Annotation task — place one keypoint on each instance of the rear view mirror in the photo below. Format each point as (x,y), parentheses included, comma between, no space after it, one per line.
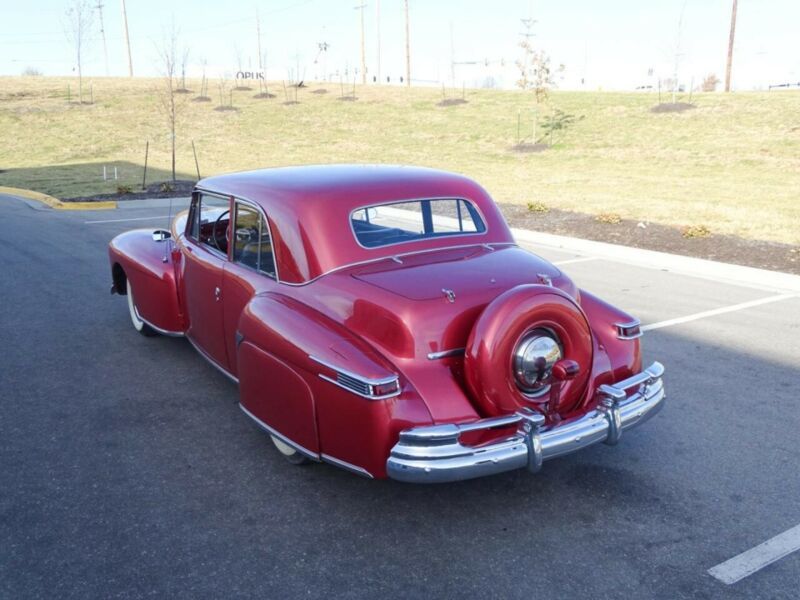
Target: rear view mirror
(161,235)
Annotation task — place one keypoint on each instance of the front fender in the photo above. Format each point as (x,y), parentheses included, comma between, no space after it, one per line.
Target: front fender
(150,267)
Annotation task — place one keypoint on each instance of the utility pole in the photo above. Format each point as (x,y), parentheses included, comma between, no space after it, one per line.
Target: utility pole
(99,8)
(127,39)
(730,48)
(361,8)
(408,49)
(258,35)
(378,34)
(452,57)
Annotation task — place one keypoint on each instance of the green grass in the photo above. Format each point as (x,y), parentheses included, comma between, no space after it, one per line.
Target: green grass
(732,164)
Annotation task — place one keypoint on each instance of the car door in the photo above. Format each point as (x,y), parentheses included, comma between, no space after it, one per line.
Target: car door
(250,271)
(205,254)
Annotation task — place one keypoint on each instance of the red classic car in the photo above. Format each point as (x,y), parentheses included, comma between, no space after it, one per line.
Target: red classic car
(383,319)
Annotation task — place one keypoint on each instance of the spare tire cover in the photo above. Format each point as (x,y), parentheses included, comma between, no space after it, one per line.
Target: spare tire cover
(488,363)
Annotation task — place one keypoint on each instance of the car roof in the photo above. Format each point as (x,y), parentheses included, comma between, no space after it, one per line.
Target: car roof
(309,210)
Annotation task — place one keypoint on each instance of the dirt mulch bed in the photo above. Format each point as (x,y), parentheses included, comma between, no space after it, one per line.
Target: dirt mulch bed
(319,91)
(264,96)
(526,147)
(160,189)
(347,98)
(451,102)
(652,236)
(201,99)
(226,109)
(669,107)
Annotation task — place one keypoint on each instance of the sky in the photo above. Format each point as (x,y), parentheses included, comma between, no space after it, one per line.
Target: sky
(616,44)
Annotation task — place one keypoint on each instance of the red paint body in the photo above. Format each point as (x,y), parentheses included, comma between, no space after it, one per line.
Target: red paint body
(358,309)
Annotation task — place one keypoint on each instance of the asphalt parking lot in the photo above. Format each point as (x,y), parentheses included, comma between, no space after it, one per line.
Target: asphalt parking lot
(127,469)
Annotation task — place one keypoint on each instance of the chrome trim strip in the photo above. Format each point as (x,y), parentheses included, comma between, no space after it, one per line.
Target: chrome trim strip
(366,380)
(408,200)
(167,332)
(435,454)
(352,391)
(346,465)
(213,363)
(446,353)
(272,431)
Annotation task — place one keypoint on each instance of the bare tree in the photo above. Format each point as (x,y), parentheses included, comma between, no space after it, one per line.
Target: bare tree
(534,68)
(79,16)
(171,103)
(184,63)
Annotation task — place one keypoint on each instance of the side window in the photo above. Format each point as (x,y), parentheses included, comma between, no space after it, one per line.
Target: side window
(210,221)
(252,246)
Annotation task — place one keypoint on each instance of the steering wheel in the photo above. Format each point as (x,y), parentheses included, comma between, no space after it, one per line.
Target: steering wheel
(214,237)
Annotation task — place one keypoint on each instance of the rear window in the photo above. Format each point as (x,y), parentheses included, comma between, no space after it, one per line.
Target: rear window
(411,220)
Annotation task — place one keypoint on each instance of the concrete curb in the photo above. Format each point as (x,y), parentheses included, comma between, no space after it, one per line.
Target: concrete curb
(55,202)
(684,265)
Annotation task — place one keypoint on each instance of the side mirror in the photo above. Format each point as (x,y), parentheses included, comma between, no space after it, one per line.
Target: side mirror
(161,235)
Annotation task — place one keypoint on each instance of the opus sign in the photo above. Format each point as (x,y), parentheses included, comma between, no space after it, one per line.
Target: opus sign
(250,75)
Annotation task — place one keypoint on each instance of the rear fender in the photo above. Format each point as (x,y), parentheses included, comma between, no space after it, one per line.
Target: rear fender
(615,359)
(282,386)
(150,267)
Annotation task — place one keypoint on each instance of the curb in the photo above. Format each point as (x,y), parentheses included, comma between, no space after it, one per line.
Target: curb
(55,202)
(684,265)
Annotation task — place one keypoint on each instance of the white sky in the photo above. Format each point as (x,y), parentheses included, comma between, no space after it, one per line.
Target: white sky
(610,45)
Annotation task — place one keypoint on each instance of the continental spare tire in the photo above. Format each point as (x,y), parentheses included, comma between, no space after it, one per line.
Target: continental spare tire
(516,341)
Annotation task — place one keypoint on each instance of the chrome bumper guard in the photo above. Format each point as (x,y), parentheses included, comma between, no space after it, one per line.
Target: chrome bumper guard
(434,454)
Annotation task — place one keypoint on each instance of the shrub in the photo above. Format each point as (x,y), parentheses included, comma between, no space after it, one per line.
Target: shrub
(538,207)
(696,231)
(124,189)
(608,218)
(166,187)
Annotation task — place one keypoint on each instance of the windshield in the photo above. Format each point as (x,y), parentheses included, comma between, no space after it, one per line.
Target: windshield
(411,220)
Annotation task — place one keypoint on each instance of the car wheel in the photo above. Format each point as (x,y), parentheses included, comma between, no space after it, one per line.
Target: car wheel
(137,321)
(289,453)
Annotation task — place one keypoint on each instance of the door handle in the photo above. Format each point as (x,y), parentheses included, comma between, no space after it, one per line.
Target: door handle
(217,293)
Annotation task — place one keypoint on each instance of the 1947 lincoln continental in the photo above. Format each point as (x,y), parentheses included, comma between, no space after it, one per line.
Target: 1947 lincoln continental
(383,319)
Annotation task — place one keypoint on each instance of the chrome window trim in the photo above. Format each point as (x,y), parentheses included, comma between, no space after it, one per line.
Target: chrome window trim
(370,260)
(257,206)
(392,202)
(346,465)
(272,431)
(197,242)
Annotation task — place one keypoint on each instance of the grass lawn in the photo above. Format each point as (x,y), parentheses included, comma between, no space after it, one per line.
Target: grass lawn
(731,164)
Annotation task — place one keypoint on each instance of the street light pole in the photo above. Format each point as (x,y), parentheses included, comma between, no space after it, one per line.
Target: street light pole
(361,7)
(730,48)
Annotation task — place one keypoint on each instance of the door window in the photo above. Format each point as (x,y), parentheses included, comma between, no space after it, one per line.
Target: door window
(252,245)
(210,221)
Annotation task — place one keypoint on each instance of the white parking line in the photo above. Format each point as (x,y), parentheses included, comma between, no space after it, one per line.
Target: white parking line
(571,261)
(123,220)
(717,311)
(757,558)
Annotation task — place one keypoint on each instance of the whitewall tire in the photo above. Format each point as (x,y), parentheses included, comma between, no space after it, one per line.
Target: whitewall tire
(289,453)
(138,324)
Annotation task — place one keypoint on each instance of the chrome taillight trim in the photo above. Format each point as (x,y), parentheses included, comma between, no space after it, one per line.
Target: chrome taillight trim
(357,384)
(624,330)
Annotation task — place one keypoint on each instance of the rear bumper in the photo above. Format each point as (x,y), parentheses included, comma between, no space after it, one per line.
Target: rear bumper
(434,454)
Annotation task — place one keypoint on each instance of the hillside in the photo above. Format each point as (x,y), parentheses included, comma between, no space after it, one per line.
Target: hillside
(731,164)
